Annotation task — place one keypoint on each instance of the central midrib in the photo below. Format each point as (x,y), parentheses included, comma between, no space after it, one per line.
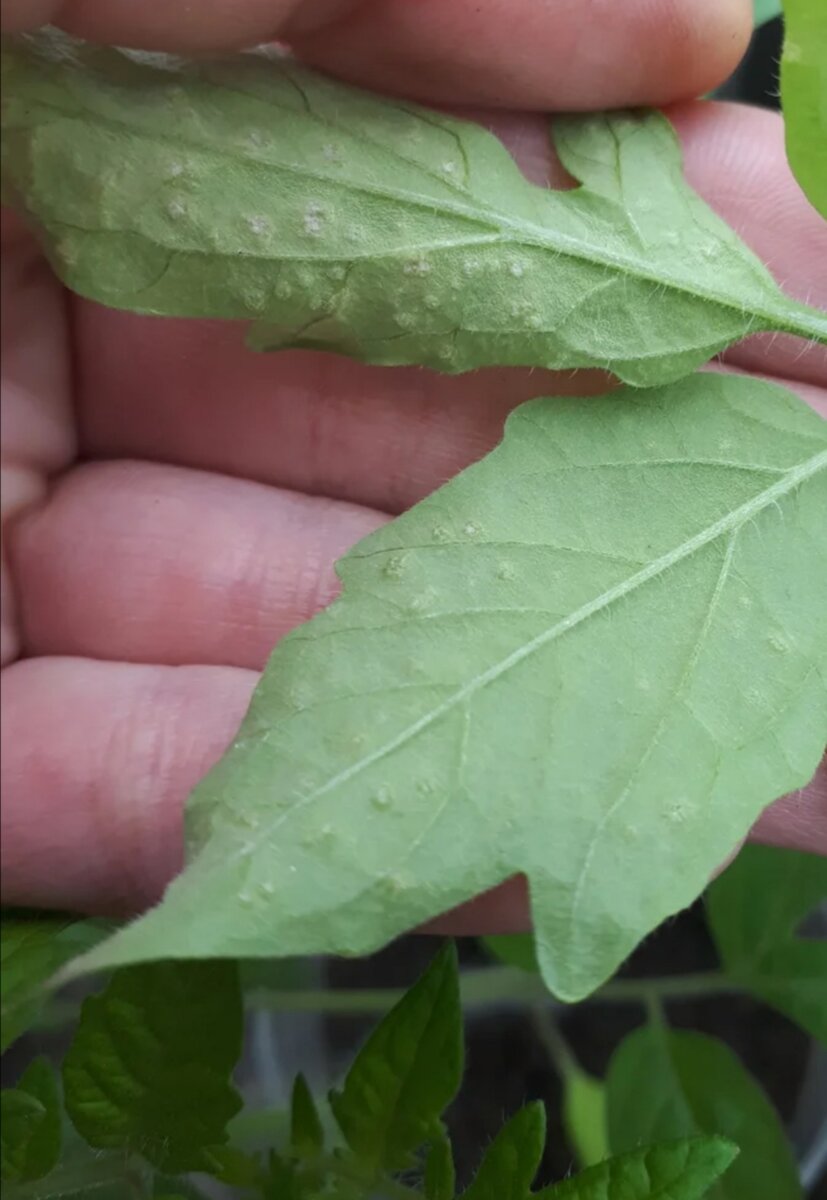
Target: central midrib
(506,231)
(726,524)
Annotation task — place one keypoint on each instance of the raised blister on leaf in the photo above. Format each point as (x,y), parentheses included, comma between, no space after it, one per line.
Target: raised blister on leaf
(622,687)
(254,188)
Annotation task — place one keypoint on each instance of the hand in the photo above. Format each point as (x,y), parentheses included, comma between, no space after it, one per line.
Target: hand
(174,503)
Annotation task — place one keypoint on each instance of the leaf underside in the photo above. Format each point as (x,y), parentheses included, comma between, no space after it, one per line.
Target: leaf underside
(253,188)
(523,674)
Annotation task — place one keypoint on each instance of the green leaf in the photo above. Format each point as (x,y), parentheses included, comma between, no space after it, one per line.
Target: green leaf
(765,10)
(283,1182)
(513,949)
(232,1166)
(804,96)
(253,188)
(22,1116)
(30,1134)
(87,1177)
(754,910)
(32,947)
(513,1158)
(584,1117)
(148,1068)
(664,1085)
(440,1177)
(407,1072)
(306,1132)
(610,630)
(673,1171)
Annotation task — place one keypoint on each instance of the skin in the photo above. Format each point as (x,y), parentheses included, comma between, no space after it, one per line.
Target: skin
(173,504)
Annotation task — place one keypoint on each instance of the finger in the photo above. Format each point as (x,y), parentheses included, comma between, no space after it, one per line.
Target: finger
(98,758)
(385,438)
(38,430)
(798,821)
(152,563)
(144,563)
(570,54)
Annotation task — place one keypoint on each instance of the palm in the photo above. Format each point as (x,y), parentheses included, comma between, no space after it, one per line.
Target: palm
(201,494)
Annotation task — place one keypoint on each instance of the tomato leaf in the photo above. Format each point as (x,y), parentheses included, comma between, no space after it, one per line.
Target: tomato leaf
(32,947)
(673,1171)
(804,96)
(306,1132)
(667,1085)
(407,1072)
(440,1177)
(754,909)
(254,188)
(30,1133)
(765,10)
(148,1068)
(513,949)
(584,1117)
(605,636)
(513,1158)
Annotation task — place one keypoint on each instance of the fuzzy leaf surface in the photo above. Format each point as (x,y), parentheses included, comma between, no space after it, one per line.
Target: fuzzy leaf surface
(440,1176)
(804,96)
(513,1158)
(694,1084)
(754,910)
(148,1069)
(609,634)
(253,188)
(672,1171)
